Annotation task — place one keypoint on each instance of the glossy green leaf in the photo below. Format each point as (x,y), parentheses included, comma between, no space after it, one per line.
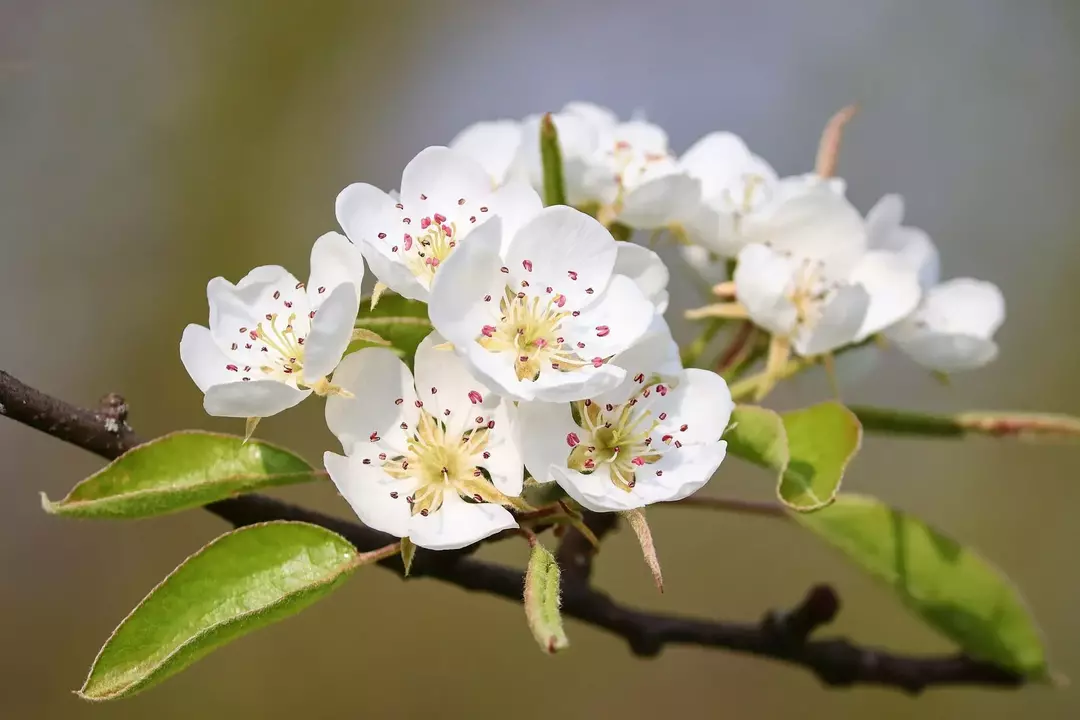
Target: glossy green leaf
(949,586)
(240,582)
(809,449)
(821,440)
(551,159)
(178,471)
(757,435)
(542,600)
(401,322)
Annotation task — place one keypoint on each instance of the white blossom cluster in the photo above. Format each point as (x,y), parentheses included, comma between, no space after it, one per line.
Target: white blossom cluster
(550,353)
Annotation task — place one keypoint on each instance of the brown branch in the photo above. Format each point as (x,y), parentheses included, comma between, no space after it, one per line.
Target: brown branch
(784,637)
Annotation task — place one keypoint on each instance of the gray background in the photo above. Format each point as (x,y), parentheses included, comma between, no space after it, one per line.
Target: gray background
(145,147)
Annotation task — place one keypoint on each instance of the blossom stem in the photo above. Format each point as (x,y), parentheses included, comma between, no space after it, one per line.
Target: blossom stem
(692,353)
(375,556)
(749,386)
(737,352)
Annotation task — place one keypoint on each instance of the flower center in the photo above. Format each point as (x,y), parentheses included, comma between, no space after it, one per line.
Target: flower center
(746,195)
(424,253)
(284,347)
(529,327)
(438,462)
(808,292)
(619,436)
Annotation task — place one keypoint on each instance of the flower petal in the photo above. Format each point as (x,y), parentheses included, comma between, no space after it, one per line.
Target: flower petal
(458,308)
(504,461)
(842,316)
(244,305)
(493,144)
(449,392)
(698,408)
(545,429)
(458,524)
(334,260)
(203,359)
(723,163)
(682,472)
(258,398)
(384,398)
(893,288)
(658,202)
(762,279)
(331,331)
(372,221)
(565,249)
(914,249)
(613,323)
(515,203)
(646,269)
(596,492)
(965,306)
(948,353)
(443,176)
(367,490)
(654,355)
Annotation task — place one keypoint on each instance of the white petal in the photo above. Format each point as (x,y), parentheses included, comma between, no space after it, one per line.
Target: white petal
(566,387)
(815,223)
(203,359)
(504,461)
(258,398)
(245,304)
(646,269)
(715,229)
(367,490)
(596,492)
(655,354)
(613,323)
(331,331)
(493,144)
(334,260)
(763,278)
(684,471)
(913,247)
(722,162)
(365,212)
(458,524)
(444,384)
(965,306)
(705,263)
(948,352)
(545,428)
(443,176)
(882,220)
(515,203)
(699,402)
(384,398)
(597,116)
(893,288)
(457,307)
(842,316)
(564,249)
(644,137)
(660,201)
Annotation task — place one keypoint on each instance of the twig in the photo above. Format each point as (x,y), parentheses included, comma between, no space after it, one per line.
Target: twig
(743,507)
(782,637)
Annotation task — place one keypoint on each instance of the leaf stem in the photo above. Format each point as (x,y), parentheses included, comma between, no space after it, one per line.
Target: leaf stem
(551,159)
(733,505)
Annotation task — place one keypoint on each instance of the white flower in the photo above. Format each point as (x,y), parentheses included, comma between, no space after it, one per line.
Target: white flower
(444,196)
(654,438)
(647,270)
(953,328)
(808,275)
(271,340)
(625,169)
(433,459)
(494,144)
(539,314)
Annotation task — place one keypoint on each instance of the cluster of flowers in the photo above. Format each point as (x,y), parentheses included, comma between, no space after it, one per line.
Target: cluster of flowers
(550,352)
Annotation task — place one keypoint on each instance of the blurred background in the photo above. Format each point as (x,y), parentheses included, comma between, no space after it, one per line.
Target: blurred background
(145,147)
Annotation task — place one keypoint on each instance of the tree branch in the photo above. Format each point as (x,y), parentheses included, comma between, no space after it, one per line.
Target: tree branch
(779,636)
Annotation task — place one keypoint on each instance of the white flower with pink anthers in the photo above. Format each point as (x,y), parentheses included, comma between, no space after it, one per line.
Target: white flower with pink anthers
(445,195)
(653,438)
(434,457)
(272,340)
(537,311)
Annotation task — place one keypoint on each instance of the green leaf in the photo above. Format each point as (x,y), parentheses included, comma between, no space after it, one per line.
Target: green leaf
(809,449)
(401,322)
(757,435)
(551,158)
(821,440)
(542,600)
(179,471)
(949,586)
(238,583)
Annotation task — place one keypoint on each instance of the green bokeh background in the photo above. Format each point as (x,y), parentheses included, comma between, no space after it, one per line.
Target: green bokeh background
(147,146)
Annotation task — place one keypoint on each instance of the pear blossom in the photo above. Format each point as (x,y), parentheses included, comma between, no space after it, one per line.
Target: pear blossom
(406,237)
(272,339)
(653,438)
(809,274)
(625,170)
(538,311)
(495,144)
(953,327)
(432,457)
